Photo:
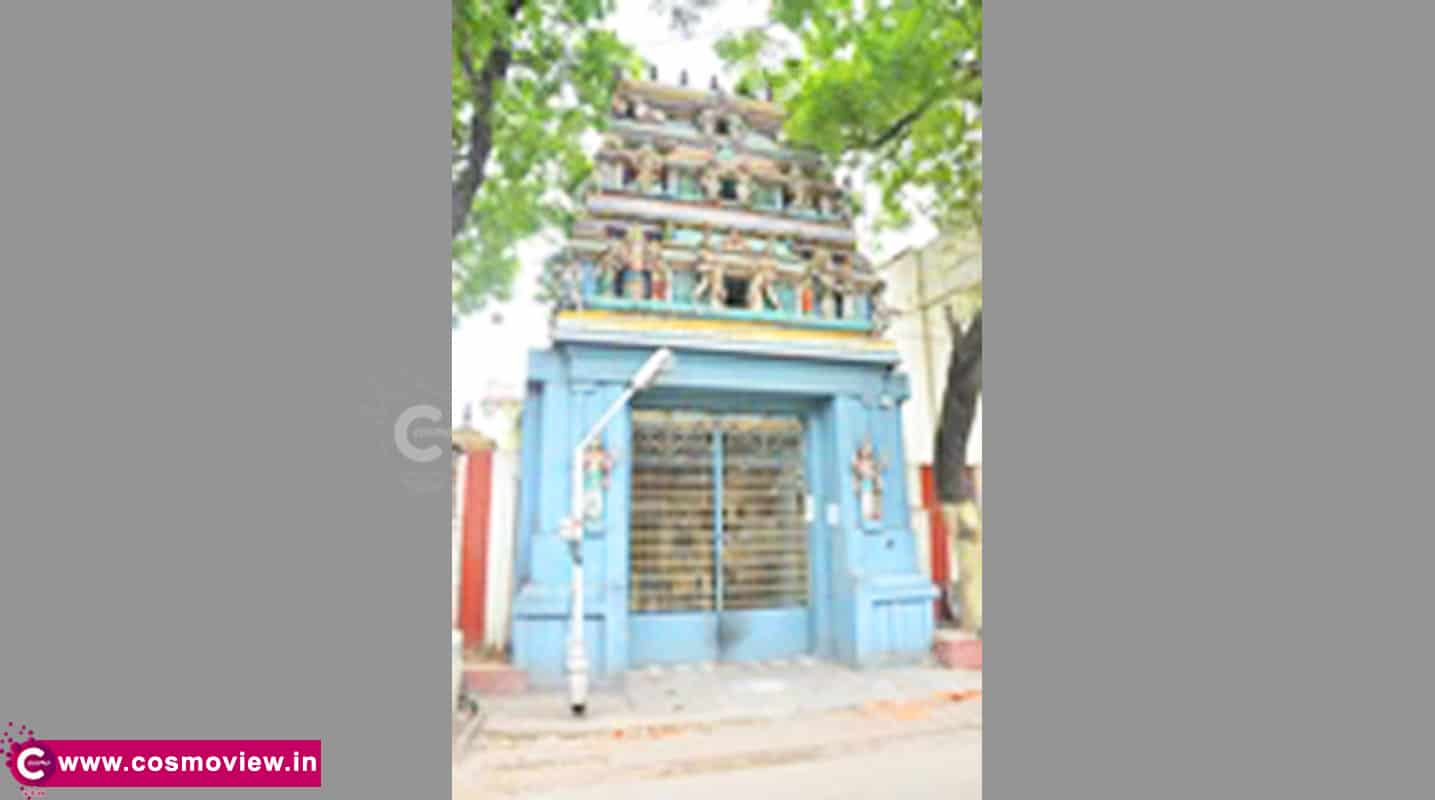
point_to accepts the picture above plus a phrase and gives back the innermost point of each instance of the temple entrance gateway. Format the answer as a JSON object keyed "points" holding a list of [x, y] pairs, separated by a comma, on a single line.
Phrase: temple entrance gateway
{"points": [[718, 554], [752, 503]]}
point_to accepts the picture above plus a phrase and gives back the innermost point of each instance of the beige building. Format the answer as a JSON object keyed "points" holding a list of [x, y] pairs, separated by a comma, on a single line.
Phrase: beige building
{"points": [[924, 284]]}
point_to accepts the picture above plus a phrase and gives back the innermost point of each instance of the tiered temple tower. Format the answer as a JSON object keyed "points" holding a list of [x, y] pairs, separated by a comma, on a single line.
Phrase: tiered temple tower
{"points": [[753, 504]]}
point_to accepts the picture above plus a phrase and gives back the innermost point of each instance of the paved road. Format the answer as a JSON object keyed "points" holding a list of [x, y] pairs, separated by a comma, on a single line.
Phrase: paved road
{"points": [[946, 769], [926, 750]]}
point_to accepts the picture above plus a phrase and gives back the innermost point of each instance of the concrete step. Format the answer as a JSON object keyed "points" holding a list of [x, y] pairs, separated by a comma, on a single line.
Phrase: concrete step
{"points": [[494, 679], [958, 650]]}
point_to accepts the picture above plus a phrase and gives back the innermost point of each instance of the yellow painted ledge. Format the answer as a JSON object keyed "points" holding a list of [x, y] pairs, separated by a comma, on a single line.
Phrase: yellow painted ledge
{"points": [[725, 329]]}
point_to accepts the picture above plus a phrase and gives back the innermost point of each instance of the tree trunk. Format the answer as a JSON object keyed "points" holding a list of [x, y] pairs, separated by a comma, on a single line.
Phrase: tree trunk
{"points": [[964, 383], [480, 125]]}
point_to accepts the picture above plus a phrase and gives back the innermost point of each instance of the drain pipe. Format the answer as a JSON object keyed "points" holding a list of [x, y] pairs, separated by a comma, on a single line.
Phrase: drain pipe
{"points": [[572, 529]]}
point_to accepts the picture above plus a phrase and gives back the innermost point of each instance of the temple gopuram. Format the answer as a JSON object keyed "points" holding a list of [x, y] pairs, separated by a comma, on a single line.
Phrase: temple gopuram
{"points": [[752, 504]]}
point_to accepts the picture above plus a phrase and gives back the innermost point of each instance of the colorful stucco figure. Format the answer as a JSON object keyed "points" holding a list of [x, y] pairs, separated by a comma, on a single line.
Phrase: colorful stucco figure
{"points": [[659, 276], [882, 312], [817, 294], [571, 283], [597, 470], [646, 113], [707, 121], [744, 186], [829, 307], [634, 248], [761, 289], [800, 190], [867, 471], [635, 267], [711, 279], [711, 180], [608, 267], [648, 166]]}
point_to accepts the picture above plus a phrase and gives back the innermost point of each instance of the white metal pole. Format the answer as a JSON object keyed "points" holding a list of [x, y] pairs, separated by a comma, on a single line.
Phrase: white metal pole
{"points": [[577, 657]]}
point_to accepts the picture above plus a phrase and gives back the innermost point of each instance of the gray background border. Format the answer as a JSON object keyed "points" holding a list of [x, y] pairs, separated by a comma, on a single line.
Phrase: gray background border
{"points": [[225, 273], [1207, 399]]}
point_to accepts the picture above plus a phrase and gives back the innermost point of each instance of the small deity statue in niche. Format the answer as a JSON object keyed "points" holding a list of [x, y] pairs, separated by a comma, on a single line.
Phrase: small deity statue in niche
{"points": [[882, 313], [711, 278], [822, 276], [635, 244], [605, 271], [811, 281], [597, 471], [736, 126], [635, 264], [762, 289], [610, 174], [659, 277], [662, 280], [570, 282], [819, 262], [649, 167], [844, 275], [867, 472], [707, 121], [646, 113], [711, 182], [622, 106], [801, 195], [744, 187], [806, 295], [828, 307]]}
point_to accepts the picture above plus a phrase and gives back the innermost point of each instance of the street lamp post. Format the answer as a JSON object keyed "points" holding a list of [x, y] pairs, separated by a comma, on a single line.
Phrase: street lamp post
{"points": [[572, 529]]}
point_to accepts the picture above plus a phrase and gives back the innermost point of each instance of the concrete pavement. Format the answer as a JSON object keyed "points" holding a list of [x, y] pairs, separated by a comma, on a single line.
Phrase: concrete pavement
{"points": [[709, 694], [916, 748], [930, 769]]}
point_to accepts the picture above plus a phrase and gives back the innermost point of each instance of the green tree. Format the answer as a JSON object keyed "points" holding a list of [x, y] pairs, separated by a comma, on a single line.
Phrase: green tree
{"points": [[529, 78], [892, 91]]}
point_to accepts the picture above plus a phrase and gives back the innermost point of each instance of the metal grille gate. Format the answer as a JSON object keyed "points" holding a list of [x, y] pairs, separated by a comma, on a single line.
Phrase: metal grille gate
{"points": [[718, 549]]}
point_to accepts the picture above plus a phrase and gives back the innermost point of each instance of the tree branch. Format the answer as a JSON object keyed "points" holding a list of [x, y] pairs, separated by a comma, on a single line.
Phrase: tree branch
{"points": [[904, 122], [480, 125]]}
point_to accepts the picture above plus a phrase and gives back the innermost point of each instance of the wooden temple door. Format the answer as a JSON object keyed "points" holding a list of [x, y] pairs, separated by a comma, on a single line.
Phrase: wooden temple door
{"points": [[718, 549]]}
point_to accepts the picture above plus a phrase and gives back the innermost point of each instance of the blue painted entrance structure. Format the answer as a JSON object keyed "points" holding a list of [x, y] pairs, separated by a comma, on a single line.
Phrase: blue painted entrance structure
{"points": [[753, 503]]}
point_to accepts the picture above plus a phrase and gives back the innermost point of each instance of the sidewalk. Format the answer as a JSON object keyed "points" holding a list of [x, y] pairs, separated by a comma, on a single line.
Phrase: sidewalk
{"points": [[712, 694]]}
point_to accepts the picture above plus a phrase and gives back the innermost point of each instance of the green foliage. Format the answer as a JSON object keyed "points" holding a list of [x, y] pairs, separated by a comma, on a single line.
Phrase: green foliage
{"points": [[529, 78], [890, 87]]}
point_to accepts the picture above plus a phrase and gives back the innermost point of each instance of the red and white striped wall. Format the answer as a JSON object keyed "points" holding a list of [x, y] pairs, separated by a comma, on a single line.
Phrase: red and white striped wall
{"points": [[485, 512]]}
